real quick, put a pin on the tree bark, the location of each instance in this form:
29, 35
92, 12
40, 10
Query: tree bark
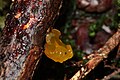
22, 38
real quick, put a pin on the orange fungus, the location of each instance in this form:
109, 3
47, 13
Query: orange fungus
55, 49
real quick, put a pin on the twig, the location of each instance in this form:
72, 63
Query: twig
111, 75
118, 53
99, 56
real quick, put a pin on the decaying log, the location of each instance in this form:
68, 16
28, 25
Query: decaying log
22, 38
98, 56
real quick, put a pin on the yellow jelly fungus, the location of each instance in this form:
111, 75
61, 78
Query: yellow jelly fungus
55, 49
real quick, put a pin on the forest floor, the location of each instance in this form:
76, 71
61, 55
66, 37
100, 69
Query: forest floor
86, 29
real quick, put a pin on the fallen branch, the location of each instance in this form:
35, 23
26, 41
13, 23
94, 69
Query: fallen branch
98, 57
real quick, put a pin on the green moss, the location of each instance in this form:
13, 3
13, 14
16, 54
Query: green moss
2, 20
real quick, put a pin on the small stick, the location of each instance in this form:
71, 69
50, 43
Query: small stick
111, 75
99, 56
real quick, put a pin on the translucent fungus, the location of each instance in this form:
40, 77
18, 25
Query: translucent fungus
55, 49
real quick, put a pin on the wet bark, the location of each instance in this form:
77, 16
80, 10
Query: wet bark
22, 38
